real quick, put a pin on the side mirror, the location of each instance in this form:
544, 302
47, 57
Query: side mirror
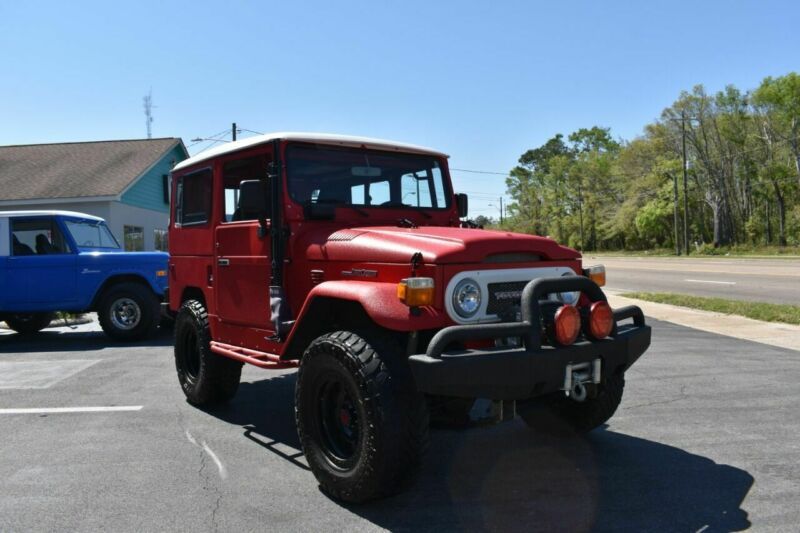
253, 199
462, 202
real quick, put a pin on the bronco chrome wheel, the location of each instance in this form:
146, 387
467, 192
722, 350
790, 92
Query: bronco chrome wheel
125, 314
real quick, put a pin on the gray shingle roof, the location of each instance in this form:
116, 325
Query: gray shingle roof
74, 170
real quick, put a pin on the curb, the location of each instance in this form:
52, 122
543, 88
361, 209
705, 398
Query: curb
771, 333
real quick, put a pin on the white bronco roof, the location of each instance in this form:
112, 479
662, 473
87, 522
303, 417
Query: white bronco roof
321, 138
47, 213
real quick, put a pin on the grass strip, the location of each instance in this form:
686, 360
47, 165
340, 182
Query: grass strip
788, 314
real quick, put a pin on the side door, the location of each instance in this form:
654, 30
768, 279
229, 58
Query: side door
41, 268
242, 262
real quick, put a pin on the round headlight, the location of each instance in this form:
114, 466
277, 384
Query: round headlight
568, 298
467, 298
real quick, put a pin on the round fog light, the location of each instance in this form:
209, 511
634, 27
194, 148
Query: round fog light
601, 320
567, 325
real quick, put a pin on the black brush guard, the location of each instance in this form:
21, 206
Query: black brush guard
530, 370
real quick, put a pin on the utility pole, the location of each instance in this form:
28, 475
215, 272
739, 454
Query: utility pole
675, 213
685, 184
501, 210
148, 113
233, 131
580, 213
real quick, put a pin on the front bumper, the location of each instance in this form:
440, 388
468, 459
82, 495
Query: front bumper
531, 370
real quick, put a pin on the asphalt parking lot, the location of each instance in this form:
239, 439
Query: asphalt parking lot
706, 439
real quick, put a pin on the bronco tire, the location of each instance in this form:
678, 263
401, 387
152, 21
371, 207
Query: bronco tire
205, 377
29, 323
362, 424
128, 312
557, 414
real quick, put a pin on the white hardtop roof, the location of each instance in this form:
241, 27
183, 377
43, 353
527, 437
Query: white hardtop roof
47, 213
321, 138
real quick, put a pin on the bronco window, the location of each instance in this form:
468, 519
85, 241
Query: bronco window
37, 237
366, 178
91, 234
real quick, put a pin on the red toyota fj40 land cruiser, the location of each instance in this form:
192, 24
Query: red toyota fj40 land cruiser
345, 257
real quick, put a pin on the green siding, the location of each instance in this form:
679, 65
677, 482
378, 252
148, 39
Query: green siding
148, 192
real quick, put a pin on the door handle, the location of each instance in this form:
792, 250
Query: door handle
223, 262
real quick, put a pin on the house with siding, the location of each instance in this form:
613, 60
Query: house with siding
125, 182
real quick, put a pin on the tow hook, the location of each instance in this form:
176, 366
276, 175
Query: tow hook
581, 380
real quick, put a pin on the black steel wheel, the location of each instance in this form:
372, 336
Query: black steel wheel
338, 419
362, 424
205, 377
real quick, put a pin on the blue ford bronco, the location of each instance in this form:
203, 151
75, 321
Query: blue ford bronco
64, 261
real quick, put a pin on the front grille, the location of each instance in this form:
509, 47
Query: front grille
504, 298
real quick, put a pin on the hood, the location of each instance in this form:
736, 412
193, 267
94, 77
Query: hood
438, 245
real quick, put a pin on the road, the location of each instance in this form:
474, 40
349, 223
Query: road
762, 280
706, 438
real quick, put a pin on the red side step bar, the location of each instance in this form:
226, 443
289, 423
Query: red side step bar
253, 357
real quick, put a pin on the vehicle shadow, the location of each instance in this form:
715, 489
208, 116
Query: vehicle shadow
507, 478
64, 340
268, 423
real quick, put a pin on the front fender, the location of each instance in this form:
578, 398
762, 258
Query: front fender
380, 302
96, 270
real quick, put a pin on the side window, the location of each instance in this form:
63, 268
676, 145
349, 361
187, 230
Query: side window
40, 236
234, 173
378, 193
194, 198
357, 194
438, 186
134, 238
415, 189
423, 188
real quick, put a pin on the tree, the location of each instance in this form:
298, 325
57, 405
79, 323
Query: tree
591, 191
780, 98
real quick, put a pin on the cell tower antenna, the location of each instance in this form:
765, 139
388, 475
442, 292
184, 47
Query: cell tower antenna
148, 113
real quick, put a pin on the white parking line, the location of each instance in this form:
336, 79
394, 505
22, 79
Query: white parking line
710, 281
57, 410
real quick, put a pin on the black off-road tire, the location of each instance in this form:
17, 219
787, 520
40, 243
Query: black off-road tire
205, 377
390, 434
138, 295
29, 323
558, 415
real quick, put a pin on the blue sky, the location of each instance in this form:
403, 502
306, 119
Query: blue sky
482, 81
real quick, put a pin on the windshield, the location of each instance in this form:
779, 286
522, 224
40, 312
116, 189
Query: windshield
90, 234
365, 178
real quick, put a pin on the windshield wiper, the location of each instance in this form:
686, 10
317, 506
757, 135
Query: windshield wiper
401, 204
342, 203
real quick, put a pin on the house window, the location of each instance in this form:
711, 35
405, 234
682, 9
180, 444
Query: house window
194, 198
161, 240
134, 238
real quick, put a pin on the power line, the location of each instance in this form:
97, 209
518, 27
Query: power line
480, 171
205, 139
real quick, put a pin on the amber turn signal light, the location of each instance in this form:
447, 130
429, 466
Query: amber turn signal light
566, 325
416, 292
596, 273
601, 320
